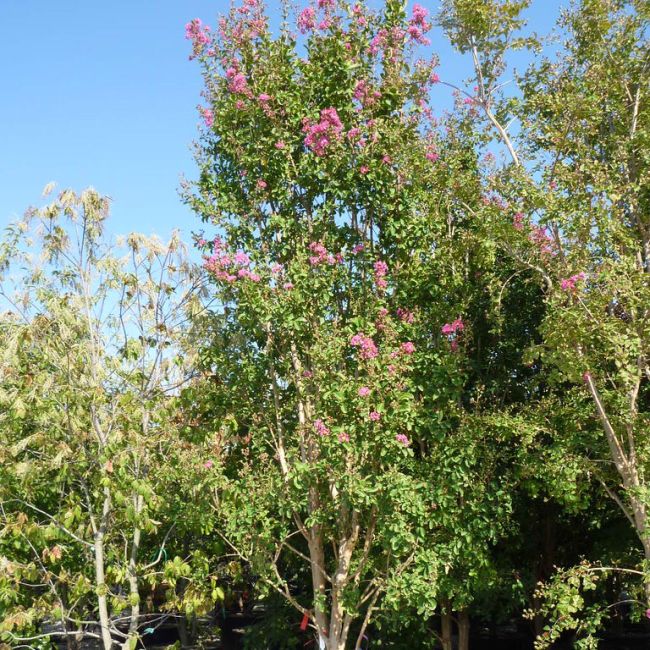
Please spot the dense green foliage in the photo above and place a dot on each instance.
(410, 378)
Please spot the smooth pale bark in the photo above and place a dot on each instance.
(134, 592)
(100, 580)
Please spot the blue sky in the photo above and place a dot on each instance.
(102, 94)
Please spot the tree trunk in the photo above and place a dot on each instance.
(317, 557)
(134, 593)
(646, 581)
(102, 590)
(446, 625)
(100, 580)
(463, 630)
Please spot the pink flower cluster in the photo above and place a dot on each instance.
(542, 239)
(307, 20)
(454, 327)
(418, 25)
(367, 347)
(401, 438)
(320, 428)
(364, 95)
(344, 437)
(199, 34)
(208, 116)
(375, 416)
(381, 269)
(405, 315)
(250, 23)
(364, 391)
(228, 267)
(408, 347)
(518, 221)
(569, 284)
(320, 255)
(237, 83)
(320, 135)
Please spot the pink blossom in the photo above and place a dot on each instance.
(261, 184)
(353, 133)
(263, 97)
(344, 437)
(364, 169)
(542, 239)
(432, 155)
(518, 221)
(276, 268)
(307, 374)
(208, 464)
(318, 136)
(569, 284)
(387, 160)
(238, 85)
(239, 104)
(198, 33)
(453, 327)
(287, 286)
(405, 315)
(401, 438)
(586, 376)
(307, 20)
(408, 347)
(357, 249)
(367, 347)
(254, 277)
(454, 345)
(378, 41)
(208, 116)
(364, 391)
(434, 78)
(241, 258)
(320, 428)
(375, 416)
(280, 144)
(381, 268)
(320, 254)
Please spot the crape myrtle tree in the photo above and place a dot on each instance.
(95, 346)
(343, 256)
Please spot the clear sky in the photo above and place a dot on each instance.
(102, 93)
